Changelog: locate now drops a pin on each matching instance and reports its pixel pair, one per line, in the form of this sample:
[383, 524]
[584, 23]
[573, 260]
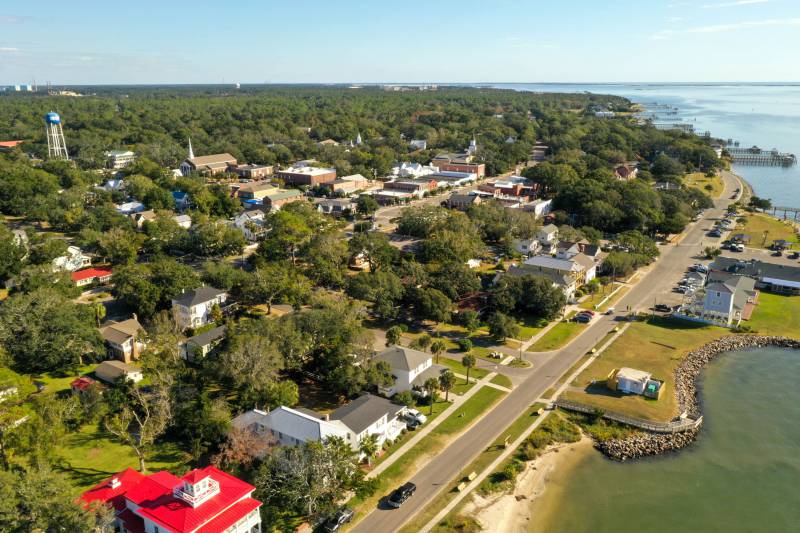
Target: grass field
[776, 315]
[54, 383]
[558, 336]
[594, 299]
[502, 380]
[88, 456]
[435, 441]
[480, 463]
[456, 366]
[758, 223]
[711, 186]
[657, 346]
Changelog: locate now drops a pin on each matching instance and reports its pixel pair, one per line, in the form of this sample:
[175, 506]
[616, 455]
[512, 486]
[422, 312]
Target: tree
[366, 205]
[12, 253]
[376, 247]
[142, 418]
[369, 447]
[393, 335]
[760, 203]
[430, 386]
[468, 361]
[464, 344]
[99, 313]
[447, 380]
[276, 281]
[422, 342]
[469, 319]
[433, 304]
[437, 347]
[241, 449]
[502, 326]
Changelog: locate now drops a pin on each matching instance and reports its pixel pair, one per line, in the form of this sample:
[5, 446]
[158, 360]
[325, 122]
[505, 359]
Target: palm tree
[431, 384]
[369, 447]
[99, 313]
[468, 361]
[447, 380]
[437, 347]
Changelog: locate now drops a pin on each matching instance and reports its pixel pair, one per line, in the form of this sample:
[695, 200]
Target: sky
[384, 41]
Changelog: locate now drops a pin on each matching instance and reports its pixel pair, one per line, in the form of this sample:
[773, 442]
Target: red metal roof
[232, 515]
[103, 491]
[82, 383]
[133, 522]
[90, 273]
[9, 144]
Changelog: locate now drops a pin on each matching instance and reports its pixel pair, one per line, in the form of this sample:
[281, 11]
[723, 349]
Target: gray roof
[402, 358]
[433, 371]
[756, 269]
[207, 337]
[549, 228]
[364, 411]
[197, 296]
[562, 280]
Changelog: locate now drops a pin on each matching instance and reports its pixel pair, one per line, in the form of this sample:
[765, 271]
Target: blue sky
[166, 41]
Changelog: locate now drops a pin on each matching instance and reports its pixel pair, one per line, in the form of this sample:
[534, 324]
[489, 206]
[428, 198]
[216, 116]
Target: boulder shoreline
[646, 444]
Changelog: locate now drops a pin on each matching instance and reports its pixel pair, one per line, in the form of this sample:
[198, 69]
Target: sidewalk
[422, 433]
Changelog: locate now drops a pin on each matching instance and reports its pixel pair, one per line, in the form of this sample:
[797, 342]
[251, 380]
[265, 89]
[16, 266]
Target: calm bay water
[766, 115]
[741, 475]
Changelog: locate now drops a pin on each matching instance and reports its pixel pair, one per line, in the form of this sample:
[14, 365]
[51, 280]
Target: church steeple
[191, 152]
[358, 138]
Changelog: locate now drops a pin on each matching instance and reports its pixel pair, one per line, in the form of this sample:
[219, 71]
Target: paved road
[439, 473]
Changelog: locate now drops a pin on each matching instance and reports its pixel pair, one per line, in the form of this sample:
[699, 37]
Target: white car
[413, 414]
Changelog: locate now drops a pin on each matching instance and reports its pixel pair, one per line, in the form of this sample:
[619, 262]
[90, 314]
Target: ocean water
[766, 115]
[741, 475]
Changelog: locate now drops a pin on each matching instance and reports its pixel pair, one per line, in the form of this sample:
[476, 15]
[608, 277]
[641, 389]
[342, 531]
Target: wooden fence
[675, 426]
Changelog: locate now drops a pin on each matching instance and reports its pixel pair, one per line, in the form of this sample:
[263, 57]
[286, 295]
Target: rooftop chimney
[114, 483]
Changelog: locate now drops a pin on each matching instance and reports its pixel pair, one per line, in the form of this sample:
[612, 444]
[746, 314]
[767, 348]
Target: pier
[757, 157]
[785, 210]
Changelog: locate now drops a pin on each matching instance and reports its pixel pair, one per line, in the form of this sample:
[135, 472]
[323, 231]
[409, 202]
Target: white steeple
[473, 145]
[191, 152]
[358, 138]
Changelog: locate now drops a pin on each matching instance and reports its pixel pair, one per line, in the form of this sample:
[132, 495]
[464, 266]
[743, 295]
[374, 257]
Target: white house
[547, 235]
[540, 207]
[109, 371]
[192, 308]
[413, 170]
[120, 158]
[410, 368]
[632, 381]
[725, 301]
[418, 144]
[370, 415]
[130, 207]
[184, 221]
[251, 223]
[287, 426]
[526, 246]
[199, 346]
[73, 260]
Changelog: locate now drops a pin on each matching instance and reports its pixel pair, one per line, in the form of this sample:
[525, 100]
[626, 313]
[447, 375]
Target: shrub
[404, 398]
[464, 344]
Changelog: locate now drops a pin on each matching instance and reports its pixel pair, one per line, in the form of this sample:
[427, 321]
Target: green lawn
[502, 380]
[480, 463]
[438, 408]
[435, 441]
[88, 456]
[456, 366]
[593, 300]
[776, 315]
[558, 336]
[758, 223]
[711, 186]
[656, 346]
[56, 383]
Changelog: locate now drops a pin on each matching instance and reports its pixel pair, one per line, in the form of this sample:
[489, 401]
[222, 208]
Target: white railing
[212, 490]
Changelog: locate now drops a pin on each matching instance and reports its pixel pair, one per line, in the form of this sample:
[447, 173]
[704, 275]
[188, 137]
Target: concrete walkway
[517, 442]
[420, 434]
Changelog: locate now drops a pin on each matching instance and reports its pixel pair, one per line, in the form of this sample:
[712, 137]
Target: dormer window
[195, 490]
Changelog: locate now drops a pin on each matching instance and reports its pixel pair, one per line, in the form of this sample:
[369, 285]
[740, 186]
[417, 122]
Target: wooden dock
[755, 156]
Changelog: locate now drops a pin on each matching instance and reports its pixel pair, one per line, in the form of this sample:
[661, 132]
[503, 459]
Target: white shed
[631, 380]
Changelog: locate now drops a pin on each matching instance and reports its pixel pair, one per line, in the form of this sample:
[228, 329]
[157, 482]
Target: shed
[632, 381]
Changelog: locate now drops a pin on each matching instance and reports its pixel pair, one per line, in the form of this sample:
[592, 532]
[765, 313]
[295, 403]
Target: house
[516, 187]
[252, 172]
[123, 339]
[626, 172]
[73, 260]
[336, 206]
[410, 368]
[453, 178]
[370, 415]
[207, 164]
[547, 235]
[277, 199]
[418, 144]
[327, 142]
[199, 346]
[252, 224]
[128, 208]
[255, 191]
[568, 274]
[414, 187]
[539, 207]
[632, 381]
[7, 146]
[109, 371]
[143, 216]
[307, 175]
[565, 282]
[88, 276]
[184, 221]
[203, 500]
[82, 385]
[113, 185]
[463, 201]
[192, 308]
[772, 277]
[181, 200]
[118, 159]
[413, 170]
[539, 152]
[526, 246]
[288, 426]
[347, 184]
[726, 300]
[479, 169]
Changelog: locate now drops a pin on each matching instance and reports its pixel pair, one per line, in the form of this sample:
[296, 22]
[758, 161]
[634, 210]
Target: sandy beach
[511, 511]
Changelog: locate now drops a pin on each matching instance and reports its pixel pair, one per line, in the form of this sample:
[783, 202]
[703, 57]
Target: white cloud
[11, 19]
[720, 28]
[8, 49]
[734, 4]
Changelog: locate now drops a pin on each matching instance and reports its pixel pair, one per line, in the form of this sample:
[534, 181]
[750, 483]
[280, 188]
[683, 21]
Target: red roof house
[91, 275]
[8, 145]
[82, 384]
[206, 500]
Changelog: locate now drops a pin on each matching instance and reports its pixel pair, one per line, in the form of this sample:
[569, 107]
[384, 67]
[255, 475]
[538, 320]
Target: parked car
[412, 415]
[610, 311]
[583, 319]
[663, 308]
[412, 425]
[701, 268]
[777, 253]
[587, 312]
[794, 255]
[496, 355]
[401, 494]
[715, 233]
[335, 522]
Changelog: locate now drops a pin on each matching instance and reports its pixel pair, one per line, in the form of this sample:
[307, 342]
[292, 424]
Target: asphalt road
[440, 471]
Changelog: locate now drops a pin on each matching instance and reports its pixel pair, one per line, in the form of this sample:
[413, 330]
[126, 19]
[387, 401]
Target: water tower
[56, 147]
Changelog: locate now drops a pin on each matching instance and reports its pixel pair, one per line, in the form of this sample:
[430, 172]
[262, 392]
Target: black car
[342, 516]
[412, 425]
[399, 496]
[794, 255]
[664, 308]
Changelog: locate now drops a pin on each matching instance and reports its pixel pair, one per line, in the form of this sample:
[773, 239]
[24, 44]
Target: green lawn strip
[435, 441]
[502, 380]
[776, 315]
[657, 346]
[90, 455]
[758, 223]
[593, 300]
[54, 383]
[557, 336]
[712, 186]
[462, 387]
[478, 465]
[457, 367]
[438, 408]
